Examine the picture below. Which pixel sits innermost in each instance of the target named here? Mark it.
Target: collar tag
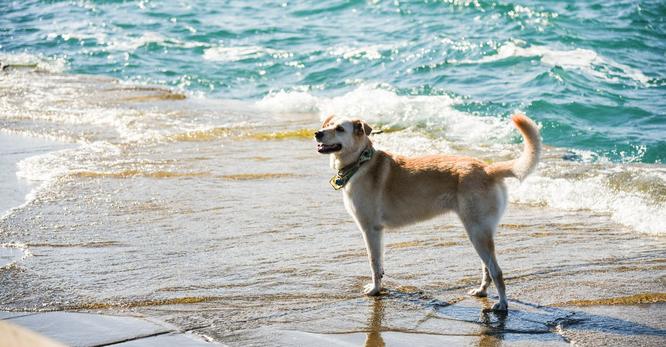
(345, 174)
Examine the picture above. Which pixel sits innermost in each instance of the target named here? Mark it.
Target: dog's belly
(399, 212)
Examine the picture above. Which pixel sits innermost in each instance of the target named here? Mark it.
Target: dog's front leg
(373, 236)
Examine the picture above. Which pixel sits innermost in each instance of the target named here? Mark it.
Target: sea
(167, 166)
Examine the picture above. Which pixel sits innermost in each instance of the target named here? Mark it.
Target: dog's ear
(326, 121)
(361, 127)
(366, 128)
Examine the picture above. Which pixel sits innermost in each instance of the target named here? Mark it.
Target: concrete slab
(8, 315)
(169, 340)
(300, 338)
(395, 338)
(83, 329)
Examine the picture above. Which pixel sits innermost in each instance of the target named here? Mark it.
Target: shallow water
(230, 229)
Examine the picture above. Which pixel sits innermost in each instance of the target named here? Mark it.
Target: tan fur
(392, 190)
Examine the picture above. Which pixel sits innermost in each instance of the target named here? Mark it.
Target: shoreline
(67, 327)
(13, 149)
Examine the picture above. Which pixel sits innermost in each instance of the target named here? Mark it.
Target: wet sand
(235, 233)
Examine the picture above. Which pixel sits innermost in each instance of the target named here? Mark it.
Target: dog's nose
(319, 135)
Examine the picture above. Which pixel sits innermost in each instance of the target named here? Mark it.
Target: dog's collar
(345, 174)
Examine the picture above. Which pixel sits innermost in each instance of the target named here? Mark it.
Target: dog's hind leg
(485, 282)
(480, 213)
(483, 242)
(374, 243)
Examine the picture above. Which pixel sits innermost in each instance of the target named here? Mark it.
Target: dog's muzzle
(324, 148)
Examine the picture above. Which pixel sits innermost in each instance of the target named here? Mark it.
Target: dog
(383, 190)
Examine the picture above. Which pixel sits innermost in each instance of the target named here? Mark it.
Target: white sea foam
(380, 105)
(48, 166)
(230, 54)
(289, 102)
(11, 253)
(81, 35)
(633, 209)
(370, 52)
(585, 60)
(411, 142)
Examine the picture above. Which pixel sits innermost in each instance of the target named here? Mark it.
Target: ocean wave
(32, 61)
(382, 106)
(107, 41)
(585, 60)
(598, 193)
(129, 45)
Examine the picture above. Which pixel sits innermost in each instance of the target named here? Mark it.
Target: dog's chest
(362, 203)
(349, 201)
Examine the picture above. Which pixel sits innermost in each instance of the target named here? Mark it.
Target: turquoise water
(183, 182)
(591, 73)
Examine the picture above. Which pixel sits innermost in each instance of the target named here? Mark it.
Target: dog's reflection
(491, 323)
(374, 338)
(492, 333)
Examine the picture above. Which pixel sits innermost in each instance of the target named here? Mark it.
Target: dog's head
(342, 136)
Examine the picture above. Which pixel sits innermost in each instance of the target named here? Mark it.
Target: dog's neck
(338, 162)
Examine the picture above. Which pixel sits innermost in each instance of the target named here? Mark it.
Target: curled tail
(528, 160)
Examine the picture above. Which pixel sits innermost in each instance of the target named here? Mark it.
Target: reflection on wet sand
(374, 338)
(491, 330)
(471, 322)
(491, 336)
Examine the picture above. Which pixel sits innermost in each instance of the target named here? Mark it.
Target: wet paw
(371, 290)
(501, 306)
(479, 293)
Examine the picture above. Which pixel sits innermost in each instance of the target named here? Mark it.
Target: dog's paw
(478, 292)
(501, 306)
(371, 290)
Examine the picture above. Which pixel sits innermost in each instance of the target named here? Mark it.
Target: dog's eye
(339, 128)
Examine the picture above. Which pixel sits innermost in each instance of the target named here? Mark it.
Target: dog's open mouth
(325, 149)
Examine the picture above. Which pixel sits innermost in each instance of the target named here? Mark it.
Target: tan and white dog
(384, 190)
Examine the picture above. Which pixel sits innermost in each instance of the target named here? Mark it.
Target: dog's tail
(528, 160)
